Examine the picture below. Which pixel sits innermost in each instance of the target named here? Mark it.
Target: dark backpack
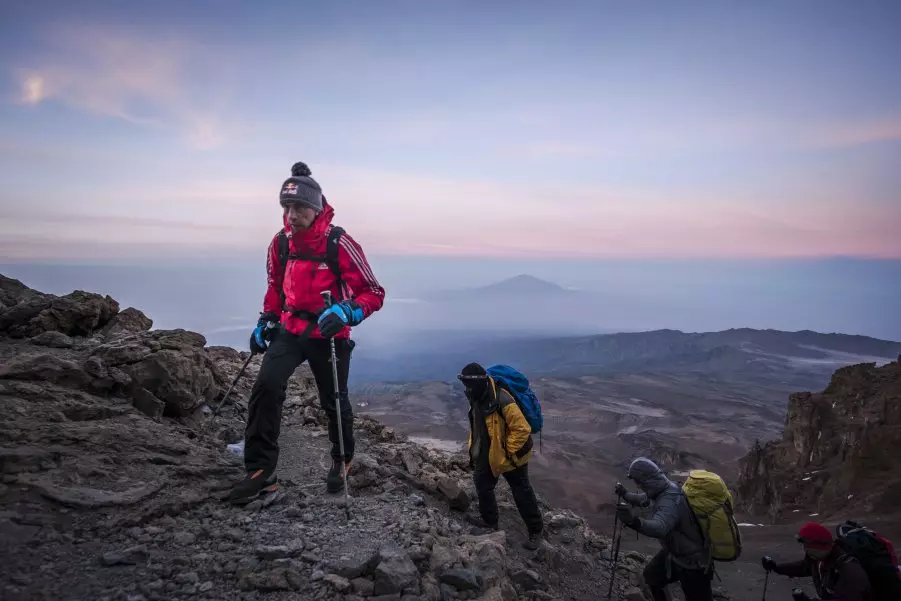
(517, 385)
(514, 382)
(876, 555)
(330, 258)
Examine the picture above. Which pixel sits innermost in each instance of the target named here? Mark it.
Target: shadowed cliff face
(839, 450)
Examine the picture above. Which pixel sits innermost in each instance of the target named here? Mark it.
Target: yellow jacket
(509, 433)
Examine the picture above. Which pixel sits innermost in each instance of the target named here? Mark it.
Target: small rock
(353, 567)
(456, 496)
(443, 558)
(129, 556)
(633, 594)
(156, 585)
(491, 560)
(317, 575)
(292, 549)
(340, 583)
(188, 590)
(416, 500)
(462, 579)
(148, 404)
(280, 579)
(526, 579)
(206, 586)
(363, 586)
(395, 572)
(184, 538)
(52, 339)
(561, 521)
(187, 578)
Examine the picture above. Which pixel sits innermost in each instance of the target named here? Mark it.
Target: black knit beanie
(300, 188)
(475, 379)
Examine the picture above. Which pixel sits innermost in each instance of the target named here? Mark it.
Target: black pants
(285, 354)
(695, 583)
(523, 496)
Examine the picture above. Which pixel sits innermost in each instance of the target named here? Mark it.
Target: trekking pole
(228, 392)
(766, 581)
(327, 297)
(617, 538)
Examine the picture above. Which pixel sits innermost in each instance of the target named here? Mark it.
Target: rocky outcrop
(839, 448)
(113, 470)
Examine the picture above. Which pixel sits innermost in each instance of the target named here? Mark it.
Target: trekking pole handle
(327, 298)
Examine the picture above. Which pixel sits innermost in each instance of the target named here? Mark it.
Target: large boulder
(171, 365)
(26, 313)
(128, 321)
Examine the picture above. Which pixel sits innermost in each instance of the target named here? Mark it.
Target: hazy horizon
(851, 296)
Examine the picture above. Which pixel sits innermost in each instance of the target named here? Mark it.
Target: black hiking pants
(264, 413)
(661, 572)
(523, 496)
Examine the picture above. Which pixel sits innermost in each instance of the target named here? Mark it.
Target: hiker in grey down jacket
(684, 557)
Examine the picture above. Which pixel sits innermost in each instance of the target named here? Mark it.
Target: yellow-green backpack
(710, 499)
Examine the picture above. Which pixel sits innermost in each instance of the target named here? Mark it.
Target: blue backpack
(518, 386)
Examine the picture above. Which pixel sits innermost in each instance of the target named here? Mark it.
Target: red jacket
(303, 281)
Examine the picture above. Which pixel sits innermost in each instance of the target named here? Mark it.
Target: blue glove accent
(349, 312)
(262, 334)
(338, 316)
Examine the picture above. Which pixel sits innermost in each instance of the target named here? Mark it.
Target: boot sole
(246, 500)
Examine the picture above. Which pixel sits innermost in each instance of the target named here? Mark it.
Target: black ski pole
(766, 581)
(228, 392)
(617, 538)
(327, 297)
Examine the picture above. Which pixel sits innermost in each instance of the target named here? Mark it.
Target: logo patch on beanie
(290, 188)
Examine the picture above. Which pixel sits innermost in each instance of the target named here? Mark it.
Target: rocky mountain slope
(743, 354)
(112, 473)
(839, 450)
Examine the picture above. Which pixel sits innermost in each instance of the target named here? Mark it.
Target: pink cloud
(128, 75)
(400, 213)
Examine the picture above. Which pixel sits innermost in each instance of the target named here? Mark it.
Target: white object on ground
(236, 449)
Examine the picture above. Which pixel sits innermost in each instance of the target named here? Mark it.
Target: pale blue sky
(589, 129)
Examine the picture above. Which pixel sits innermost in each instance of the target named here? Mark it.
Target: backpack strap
(332, 246)
(283, 251)
(508, 400)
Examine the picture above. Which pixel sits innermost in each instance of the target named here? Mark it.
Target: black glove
(768, 564)
(339, 316)
(620, 490)
(263, 333)
(624, 513)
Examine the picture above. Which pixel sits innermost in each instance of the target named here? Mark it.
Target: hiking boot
(334, 481)
(481, 527)
(252, 486)
(534, 541)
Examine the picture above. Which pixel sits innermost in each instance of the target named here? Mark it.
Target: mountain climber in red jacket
(295, 327)
(836, 575)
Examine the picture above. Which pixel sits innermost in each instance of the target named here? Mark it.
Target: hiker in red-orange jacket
(308, 256)
(836, 575)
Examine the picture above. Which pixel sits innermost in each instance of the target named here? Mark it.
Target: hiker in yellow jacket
(500, 444)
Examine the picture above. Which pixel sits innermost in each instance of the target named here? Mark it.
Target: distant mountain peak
(524, 283)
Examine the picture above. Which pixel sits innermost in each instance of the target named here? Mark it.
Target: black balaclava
(475, 379)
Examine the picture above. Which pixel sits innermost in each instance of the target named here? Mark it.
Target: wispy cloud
(127, 74)
(855, 133)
